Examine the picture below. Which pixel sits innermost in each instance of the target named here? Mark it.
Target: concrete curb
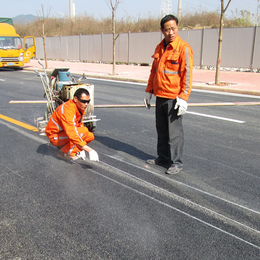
(195, 86)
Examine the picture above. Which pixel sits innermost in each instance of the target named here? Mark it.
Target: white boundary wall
(240, 49)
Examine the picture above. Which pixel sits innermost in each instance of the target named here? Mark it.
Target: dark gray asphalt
(122, 208)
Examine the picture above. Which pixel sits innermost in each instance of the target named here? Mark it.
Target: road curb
(196, 86)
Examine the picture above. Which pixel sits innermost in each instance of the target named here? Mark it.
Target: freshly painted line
(176, 209)
(16, 122)
(119, 81)
(190, 105)
(224, 104)
(121, 106)
(184, 184)
(142, 105)
(27, 101)
(225, 93)
(216, 117)
(167, 205)
(187, 201)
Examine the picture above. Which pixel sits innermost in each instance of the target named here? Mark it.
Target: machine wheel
(91, 126)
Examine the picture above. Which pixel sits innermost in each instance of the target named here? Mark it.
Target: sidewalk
(237, 82)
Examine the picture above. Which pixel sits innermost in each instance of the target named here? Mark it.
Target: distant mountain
(24, 18)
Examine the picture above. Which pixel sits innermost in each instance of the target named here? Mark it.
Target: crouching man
(65, 128)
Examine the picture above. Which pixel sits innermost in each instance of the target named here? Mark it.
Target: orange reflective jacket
(171, 73)
(67, 118)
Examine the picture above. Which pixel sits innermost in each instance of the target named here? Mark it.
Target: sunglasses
(84, 101)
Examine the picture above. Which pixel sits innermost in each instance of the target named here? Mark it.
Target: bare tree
(43, 34)
(113, 6)
(223, 10)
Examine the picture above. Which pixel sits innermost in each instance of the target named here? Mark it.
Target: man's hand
(93, 156)
(147, 99)
(181, 105)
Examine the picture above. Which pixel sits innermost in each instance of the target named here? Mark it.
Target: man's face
(170, 31)
(83, 102)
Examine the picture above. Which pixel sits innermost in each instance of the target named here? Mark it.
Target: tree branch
(227, 6)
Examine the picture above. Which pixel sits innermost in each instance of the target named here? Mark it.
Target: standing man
(65, 128)
(171, 82)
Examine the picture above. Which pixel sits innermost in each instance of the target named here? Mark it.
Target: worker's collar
(81, 111)
(172, 44)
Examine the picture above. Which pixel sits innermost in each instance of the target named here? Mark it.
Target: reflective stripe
(62, 108)
(187, 71)
(64, 137)
(71, 149)
(170, 72)
(56, 124)
(76, 129)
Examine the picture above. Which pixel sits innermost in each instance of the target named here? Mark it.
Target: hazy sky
(134, 8)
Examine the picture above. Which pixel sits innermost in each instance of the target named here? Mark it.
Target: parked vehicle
(13, 51)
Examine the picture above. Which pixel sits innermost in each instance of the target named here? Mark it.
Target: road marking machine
(59, 87)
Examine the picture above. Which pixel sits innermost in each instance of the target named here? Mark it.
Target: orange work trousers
(62, 141)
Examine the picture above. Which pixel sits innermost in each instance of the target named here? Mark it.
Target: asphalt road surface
(120, 207)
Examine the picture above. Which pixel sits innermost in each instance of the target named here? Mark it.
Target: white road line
(159, 189)
(217, 117)
(176, 209)
(23, 132)
(185, 201)
(119, 81)
(225, 93)
(193, 90)
(186, 185)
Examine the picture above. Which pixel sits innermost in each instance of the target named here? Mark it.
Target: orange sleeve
(156, 55)
(70, 124)
(149, 87)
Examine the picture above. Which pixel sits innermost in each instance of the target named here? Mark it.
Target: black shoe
(174, 169)
(158, 161)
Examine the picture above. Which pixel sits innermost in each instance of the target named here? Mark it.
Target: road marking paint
(142, 105)
(184, 184)
(163, 203)
(27, 101)
(16, 122)
(212, 104)
(185, 201)
(217, 117)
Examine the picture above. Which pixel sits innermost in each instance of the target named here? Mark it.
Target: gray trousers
(169, 130)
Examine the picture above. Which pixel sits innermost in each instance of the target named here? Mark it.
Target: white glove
(93, 156)
(147, 99)
(181, 105)
(82, 155)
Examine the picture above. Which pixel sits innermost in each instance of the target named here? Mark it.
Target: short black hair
(168, 18)
(78, 93)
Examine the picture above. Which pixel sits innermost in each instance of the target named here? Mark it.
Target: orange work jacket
(67, 117)
(171, 72)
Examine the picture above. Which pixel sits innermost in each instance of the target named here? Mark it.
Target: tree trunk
(219, 49)
(114, 42)
(44, 47)
(221, 23)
